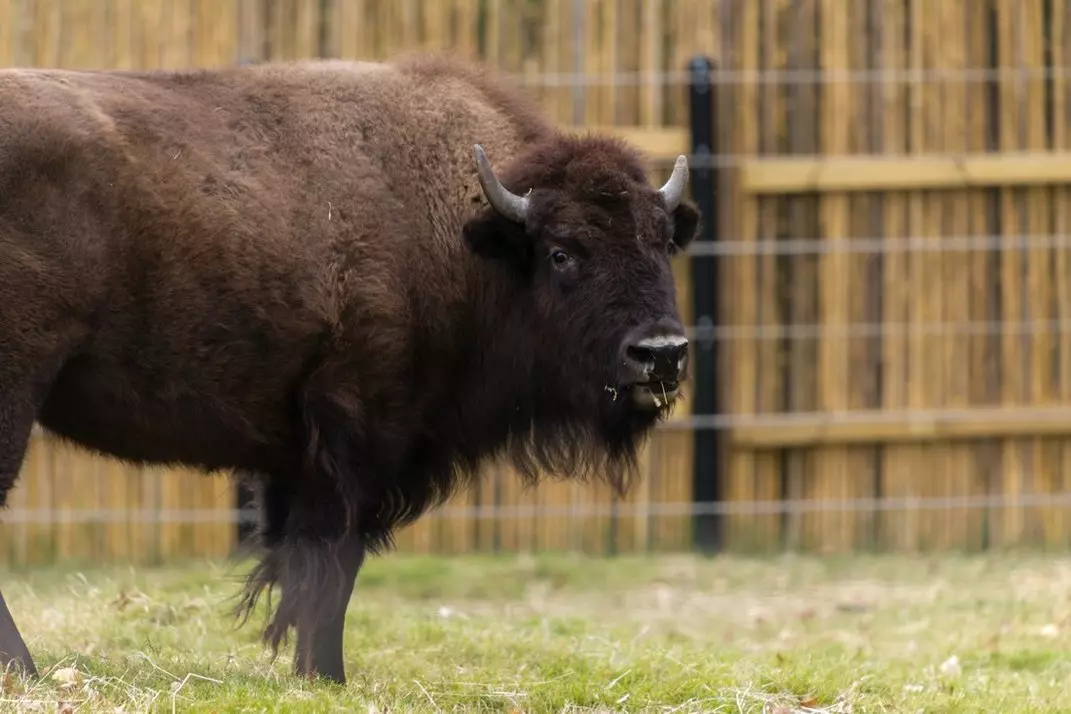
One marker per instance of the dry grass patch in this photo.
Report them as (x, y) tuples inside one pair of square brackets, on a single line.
[(570, 634)]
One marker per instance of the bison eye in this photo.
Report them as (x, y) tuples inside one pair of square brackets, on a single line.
[(560, 258)]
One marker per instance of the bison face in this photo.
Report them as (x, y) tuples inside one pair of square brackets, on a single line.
[(590, 244)]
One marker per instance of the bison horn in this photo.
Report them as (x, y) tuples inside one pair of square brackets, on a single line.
[(502, 200), (674, 187)]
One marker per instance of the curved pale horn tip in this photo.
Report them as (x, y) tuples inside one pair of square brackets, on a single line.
[(681, 165), (673, 189)]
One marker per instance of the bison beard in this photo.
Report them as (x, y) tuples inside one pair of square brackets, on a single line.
[(310, 275)]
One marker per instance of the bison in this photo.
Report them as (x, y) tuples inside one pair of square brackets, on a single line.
[(350, 283)]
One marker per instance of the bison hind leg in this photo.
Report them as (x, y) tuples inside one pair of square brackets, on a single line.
[(272, 501)]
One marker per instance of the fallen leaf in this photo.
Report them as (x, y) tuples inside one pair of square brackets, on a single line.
[(66, 675), (10, 684), (809, 702)]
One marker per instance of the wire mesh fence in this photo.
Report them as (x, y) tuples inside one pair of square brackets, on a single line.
[(890, 366)]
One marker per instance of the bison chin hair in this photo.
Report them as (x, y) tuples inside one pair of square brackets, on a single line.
[(596, 440)]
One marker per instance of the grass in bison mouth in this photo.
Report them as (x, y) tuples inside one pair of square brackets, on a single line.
[(656, 387), (662, 392)]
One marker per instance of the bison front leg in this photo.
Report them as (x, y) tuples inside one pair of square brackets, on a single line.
[(314, 563), (319, 632), (316, 579)]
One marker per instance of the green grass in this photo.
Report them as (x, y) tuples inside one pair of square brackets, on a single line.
[(563, 633)]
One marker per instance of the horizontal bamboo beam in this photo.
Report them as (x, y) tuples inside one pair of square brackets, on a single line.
[(876, 427), (860, 173), (875, 173)]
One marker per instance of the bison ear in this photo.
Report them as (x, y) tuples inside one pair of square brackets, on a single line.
[(685, 224), (491, 236)]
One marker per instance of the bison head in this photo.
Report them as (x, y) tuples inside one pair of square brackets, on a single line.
[(588, 241)]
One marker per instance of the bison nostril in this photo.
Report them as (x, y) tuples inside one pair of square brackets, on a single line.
[(643, 355), (660, 357)]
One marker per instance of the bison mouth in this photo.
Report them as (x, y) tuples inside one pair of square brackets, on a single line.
[(655, 394)]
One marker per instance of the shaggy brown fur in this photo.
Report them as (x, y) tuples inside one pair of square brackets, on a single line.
[(291, 271)]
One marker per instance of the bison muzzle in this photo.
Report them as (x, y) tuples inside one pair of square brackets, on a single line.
[(351, 284)]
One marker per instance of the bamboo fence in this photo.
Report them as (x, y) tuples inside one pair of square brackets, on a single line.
[(938, 282), (830, 329)]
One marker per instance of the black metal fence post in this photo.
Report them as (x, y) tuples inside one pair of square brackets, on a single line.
[(702, 105)]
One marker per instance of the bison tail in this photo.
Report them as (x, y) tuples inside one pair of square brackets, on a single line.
[(311, 581), (262, 579)]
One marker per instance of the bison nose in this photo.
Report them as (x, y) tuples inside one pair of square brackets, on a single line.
[(661, 358)]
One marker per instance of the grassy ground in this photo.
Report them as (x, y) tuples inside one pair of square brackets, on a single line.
[(559, 633)]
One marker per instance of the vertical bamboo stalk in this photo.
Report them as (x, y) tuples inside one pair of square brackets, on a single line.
[(1012, 364), (983, 281), (251, 29), (917, 468), (926, 390), (15, 537), (436, 31), (36, 482), (832, 466), (64, 487), (1039, 261), (10, 21), (856, 525), (741, 463), (46, 33), (801, 300), (281, 35), (955, 271), (1061, 214), (306, 29), (894, 283), (467, 43), (348, 29), (772, 120), (43, 497), (651, 96)]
